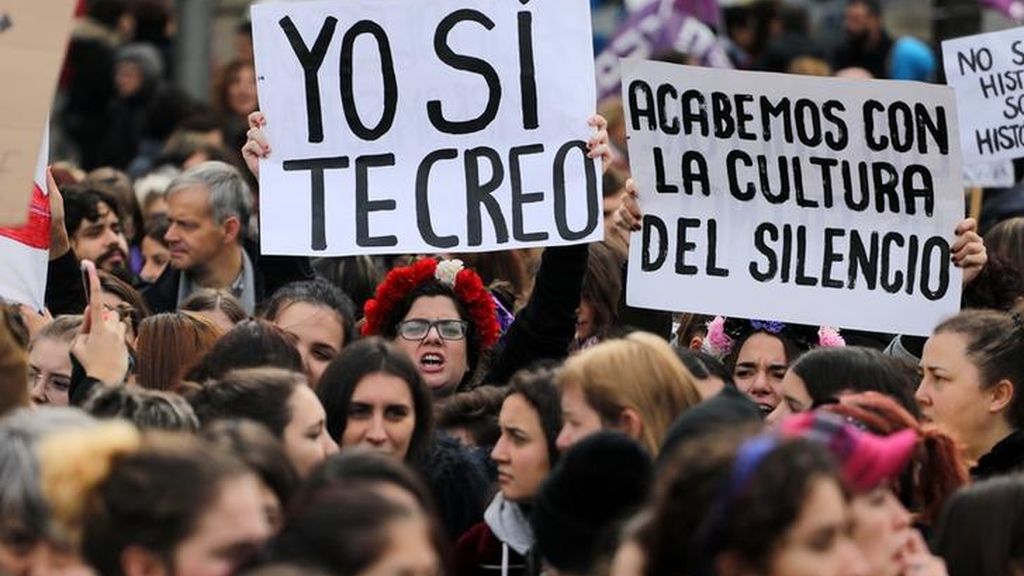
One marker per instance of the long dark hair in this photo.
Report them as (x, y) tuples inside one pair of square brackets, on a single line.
[(368, 356), (318, 292), (250, 344), (828, 372), (537, 385), (257, 394), (699, 511), (340, 529), (981, 530)]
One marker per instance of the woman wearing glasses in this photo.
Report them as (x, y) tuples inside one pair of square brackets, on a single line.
[(49, 361), (440, 314)]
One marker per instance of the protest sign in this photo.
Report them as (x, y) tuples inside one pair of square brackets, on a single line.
[(987, 73), (989, 174), (33, 39), (450, 125), (24, 251), (793, 198)]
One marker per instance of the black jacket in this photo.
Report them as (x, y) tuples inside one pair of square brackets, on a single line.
[(269, 273), (544, 328), (1006, 457)]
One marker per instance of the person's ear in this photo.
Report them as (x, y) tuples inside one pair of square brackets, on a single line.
[(630, 423), (1001, 396), (696, 343), (232, 228), (139, 561), (729, 564)]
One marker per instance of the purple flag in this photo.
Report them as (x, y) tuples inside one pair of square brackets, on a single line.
[(657, 28)]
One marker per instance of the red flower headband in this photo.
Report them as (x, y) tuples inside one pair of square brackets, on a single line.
[(465, 283)]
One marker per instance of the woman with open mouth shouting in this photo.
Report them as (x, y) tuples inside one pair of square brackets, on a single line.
[(758, 352)]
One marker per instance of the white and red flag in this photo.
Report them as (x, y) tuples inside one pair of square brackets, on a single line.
[(24, 251)]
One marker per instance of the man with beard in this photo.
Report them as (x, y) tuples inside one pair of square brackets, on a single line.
[(208, 212), (867, 44), (92, 218)]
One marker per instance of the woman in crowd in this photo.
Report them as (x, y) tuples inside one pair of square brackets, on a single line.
[(256, 447), (971, 387), (1005, 241), (758, 352), (155, 252), (136, 504), (220, 307), (319, 318), (709, 374), (49, 361), (472, 416), (169, 344), (936, 469), (379, 472), (636, 385), (440, 314), (821, 376), (599, 299), (525, 453), (234, 99), (120, 297), (979, 532), (250, 344), (280, 400), (360, 532), (765, 507), (375, 398), (146, 409), (871, 467)]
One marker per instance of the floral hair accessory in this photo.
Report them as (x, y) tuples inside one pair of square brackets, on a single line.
[(465, 285), (723, 333), (447, 272)]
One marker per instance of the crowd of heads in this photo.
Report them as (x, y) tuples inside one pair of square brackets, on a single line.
[(200, 409)]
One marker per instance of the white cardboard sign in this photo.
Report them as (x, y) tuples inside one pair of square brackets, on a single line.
[(987, 73), (989, 174), (409, 127), (816, 201)]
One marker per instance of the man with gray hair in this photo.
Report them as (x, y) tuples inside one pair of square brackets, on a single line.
[(208, 212)]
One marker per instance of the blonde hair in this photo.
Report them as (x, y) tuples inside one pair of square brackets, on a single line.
[(113, 487), (640, 372), (73, 465)]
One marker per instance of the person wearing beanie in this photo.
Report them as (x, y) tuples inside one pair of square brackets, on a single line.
[(524, 455), (729, 410), (597, 485)]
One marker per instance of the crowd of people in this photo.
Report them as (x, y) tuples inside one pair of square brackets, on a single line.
[(196, 408)]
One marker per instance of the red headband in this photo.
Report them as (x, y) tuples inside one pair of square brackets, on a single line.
[(464, 283)]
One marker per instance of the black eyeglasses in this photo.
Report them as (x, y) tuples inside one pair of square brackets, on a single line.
[(418, 328)]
